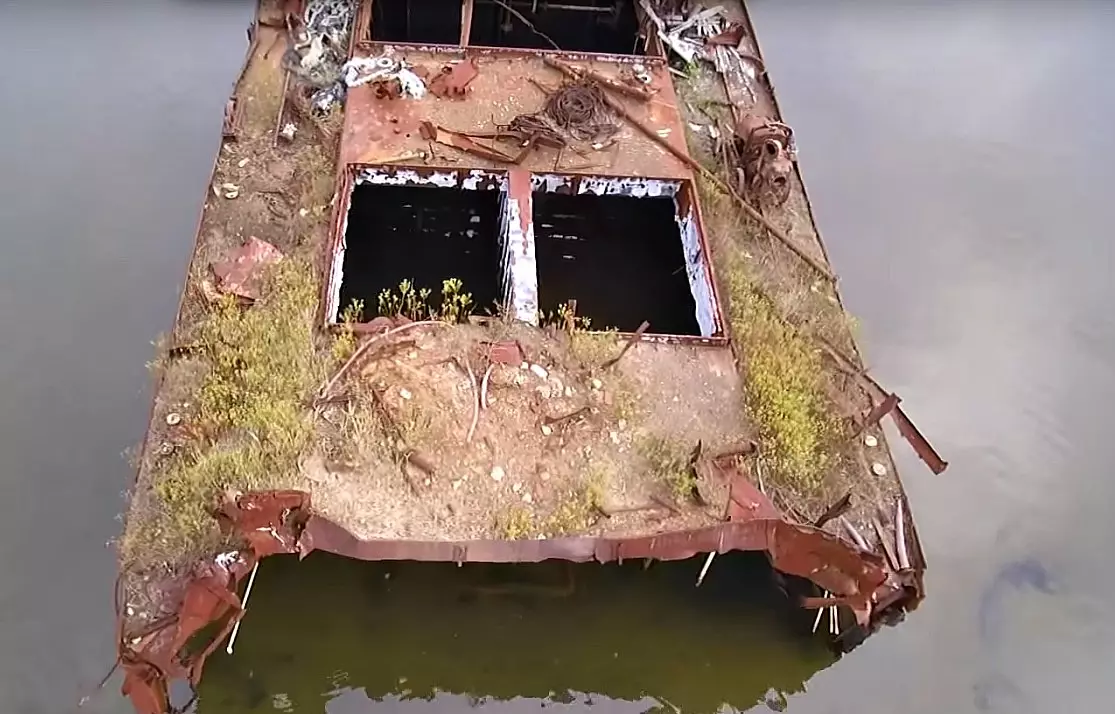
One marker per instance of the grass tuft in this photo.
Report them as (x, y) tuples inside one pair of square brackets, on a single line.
[(251, 424), (516, 523), (580, 508), (669, 464)]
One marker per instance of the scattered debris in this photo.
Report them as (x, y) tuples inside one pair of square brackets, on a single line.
[(239, 273), (319, 48), (392, 75)]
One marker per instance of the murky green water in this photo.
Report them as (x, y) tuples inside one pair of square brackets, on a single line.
[(336, 635)]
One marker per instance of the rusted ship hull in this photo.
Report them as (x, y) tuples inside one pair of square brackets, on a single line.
[(869, 566)]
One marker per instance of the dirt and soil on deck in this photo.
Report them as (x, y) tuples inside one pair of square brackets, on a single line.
[(802, 374), (432, 436)]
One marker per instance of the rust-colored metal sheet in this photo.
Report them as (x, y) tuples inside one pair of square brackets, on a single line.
[(506, 86), (270, 522), (240, 272)]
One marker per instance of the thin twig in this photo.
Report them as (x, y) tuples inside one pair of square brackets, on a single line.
[(243, 607), (854, 534), (475, 400), (528, 23), (704, 570), (555, 421), (484, 386), (820, 612), (630, 343), (325, 389), (888, 549), (900, 536)]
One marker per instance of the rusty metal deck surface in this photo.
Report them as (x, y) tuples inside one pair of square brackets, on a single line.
[(378, 130)]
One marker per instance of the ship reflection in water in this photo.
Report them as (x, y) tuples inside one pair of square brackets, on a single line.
[(340, 636)]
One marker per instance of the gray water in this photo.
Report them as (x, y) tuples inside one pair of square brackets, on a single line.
[(958, 157)]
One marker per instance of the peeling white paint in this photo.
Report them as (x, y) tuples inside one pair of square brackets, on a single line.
[(696, 269), (518, 264), (478, 180), (606, 185), (337, 272), (636, 187), (475, 180), (549, 183), (404, 177)]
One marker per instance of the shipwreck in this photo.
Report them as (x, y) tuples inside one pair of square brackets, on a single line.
[(507, 281)]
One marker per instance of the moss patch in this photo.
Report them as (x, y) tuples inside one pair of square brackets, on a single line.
[(784, 377), (250, 424)]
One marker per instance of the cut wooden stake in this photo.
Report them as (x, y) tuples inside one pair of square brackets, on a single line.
[(820, 613), (854, 534), (243, 608), (888, 549), (704, 570), (900, 536)]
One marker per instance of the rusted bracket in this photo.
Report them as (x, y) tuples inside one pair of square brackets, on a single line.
[(431, 132), (453, 80), (910, 433)]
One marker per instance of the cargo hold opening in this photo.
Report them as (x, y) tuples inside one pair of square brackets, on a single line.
[(601, 26), (436, 22), (623, 258), (424, 234)]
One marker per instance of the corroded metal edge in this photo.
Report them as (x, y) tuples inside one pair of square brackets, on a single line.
[(283, 522)]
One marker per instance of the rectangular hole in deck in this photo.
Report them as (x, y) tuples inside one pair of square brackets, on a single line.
[(620, 257), (436, 22), (604, 26), (424, 234)]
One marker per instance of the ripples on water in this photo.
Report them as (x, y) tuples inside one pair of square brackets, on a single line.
[(334, 635)]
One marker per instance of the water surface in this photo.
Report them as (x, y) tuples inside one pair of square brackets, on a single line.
[(959, 157)]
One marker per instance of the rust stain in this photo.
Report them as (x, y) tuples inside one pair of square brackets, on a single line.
[(506, 352), (504, 88), (453, 79)]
